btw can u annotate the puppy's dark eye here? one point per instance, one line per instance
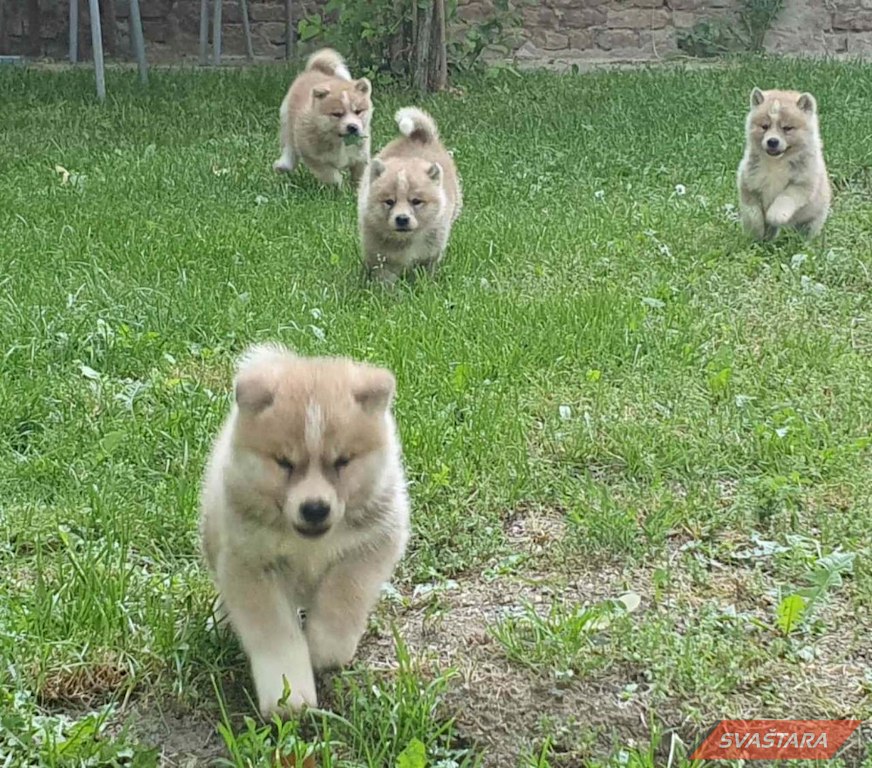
(765, 126)
(390, 203)
(337, 114)
(417, 201)
(285, 464)
(341, 462)
(787, 128)
(359, 111)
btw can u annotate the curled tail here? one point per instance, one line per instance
(328, 62)
(416, 124)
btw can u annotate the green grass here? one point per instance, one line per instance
(605, 388)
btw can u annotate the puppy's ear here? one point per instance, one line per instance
(254, 391)
(806, 102)
(363, 86)
(320, 91)
(255, 383)
(375, 388)
(757, 98)
(435, 171)
(376, 169)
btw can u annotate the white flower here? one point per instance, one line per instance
(599, 194)
(680, 189)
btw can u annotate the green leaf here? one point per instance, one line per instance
(111, 441)
(413, 756)
(790, 613)
(838, 562)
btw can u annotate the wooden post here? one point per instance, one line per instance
(216, 32)
(97, 45)
(137, 39)
(290, 34)
(246, 29)
(420, 74)
(204, 32)
(441, 54)
(74, 31)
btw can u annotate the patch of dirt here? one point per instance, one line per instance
(185, 738)
(500, 706)
(505, 708)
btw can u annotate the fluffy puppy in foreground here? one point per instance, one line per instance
(409, 200)
(325, 119)
(782, 177)
(304, 514)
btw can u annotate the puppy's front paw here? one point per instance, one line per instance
(282, 166)
(270, 679)
(779, 215)
(331, 652)
(753, 222)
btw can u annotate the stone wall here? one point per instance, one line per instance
(554, 31)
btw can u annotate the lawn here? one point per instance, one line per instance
(638, 444)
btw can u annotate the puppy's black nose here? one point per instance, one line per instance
(772, 143)
(314, 512)
(352, 129)
(402, 221)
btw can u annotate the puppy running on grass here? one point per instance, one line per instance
(783, 178)
(304, 514)
(409, 201)
(325, 120)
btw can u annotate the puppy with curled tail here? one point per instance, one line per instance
(409, 200)
(325, 119)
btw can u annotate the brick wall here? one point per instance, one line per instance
(558, 31)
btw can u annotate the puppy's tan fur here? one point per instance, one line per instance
(303, 431)
(322, 108)
(782, 178)
(409, 200)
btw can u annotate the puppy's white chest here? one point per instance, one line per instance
(769, 180)
(351, 154)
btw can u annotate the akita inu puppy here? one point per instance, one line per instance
(782, 178)
(325, 120)
(304, 514)
(409, 200)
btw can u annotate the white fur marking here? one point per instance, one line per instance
(402, 183)
(314, 425)
(342, 72)
(407, 125)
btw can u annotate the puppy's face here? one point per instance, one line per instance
(405, 195)
(310, 438)
(343, 109)
(780, 121)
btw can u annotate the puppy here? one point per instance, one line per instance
(782, 178)
(304, 514)
(325, 119)
(409, 201)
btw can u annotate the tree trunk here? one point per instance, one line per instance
(421, 53)
(441, 70)
(429, 55)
